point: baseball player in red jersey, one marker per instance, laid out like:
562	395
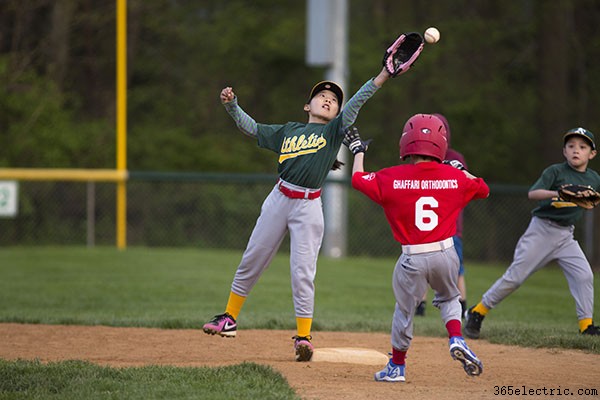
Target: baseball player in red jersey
421	201
451	156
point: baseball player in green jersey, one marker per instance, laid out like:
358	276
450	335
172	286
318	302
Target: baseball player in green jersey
307	152
549	237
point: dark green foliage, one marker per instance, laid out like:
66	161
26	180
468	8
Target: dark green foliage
39	129
57	64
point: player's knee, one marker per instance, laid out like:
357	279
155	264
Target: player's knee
585	277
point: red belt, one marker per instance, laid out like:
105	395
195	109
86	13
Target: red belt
297	194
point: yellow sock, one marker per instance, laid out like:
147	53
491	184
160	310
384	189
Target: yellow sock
303	326
234	304
481	309
584	323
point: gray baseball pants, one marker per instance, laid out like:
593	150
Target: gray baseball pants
413	275
545	241
304	221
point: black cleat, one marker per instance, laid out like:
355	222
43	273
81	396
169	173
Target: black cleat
592	330
473	324
420	310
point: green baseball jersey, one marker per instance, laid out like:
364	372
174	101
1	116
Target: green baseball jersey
306	150
553	177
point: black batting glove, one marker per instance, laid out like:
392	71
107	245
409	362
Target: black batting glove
353	141
455	163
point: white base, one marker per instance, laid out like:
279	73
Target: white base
350	355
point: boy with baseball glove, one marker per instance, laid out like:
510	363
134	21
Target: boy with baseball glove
549	236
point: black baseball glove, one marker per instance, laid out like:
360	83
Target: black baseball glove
353	141
583	196
402	54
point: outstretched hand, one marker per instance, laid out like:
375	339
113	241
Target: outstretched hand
402	54
227	95
353	141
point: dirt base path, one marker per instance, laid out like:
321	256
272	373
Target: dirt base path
431	372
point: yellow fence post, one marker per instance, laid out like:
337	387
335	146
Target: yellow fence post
121	121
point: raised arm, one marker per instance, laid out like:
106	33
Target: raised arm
357	146
382	77
244	122
359	163
353	106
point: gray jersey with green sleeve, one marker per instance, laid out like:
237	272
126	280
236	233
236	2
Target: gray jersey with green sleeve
553	177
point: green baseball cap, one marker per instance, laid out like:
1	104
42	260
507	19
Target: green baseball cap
589	136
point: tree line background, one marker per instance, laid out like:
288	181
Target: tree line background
511	76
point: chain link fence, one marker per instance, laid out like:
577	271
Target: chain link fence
219	211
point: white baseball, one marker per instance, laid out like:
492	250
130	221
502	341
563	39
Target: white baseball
432	35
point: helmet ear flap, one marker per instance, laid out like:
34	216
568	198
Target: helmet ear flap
402	156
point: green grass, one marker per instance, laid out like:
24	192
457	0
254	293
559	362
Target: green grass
137	287
78	380
182	288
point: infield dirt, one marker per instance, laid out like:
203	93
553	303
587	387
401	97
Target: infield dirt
431	372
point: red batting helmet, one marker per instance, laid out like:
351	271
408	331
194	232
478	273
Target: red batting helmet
424	134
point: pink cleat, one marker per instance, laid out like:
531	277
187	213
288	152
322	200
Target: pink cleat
304	349
222	324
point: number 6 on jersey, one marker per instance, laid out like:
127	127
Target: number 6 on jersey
426	219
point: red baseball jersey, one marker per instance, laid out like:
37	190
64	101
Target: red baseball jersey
421	201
